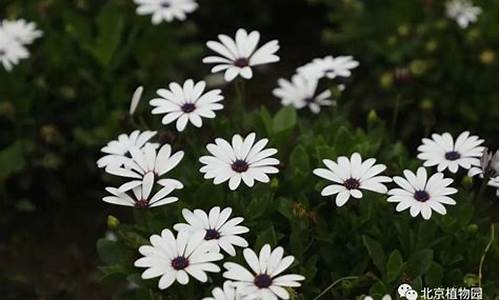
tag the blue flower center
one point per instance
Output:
(239, 166)
(452, 155)
(262, 281)
(180, 263)
(421, 196)
(212, 234)
(241, 62)
(351, 184)
(188, 107)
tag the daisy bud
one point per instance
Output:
(275, 183)
(113, 222)
(472, 228)
(467, 182)
(372, 117)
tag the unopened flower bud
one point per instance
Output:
(113, 222)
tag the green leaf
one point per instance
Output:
(267, 236)
(434, 275)
(394, 265)
(285, 119)
(112, 252)
(299, 160)
(267, 120)
(11, 159)
(376, 252)
(110, 23)
(420, 262)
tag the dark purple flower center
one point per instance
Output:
(262, 281)
(165, 4)
(452, 155)
(309, 100)
(128, 154)
(180, 263)
(188, 107)
(351, 184)
(241, 62)
(143, 203)
(239, 166)
(212, 234)
(2, 52)
(421, 196)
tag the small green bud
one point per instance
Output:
(392, 40)
(386, 80)
(113, 222)
(275, 183)
(403, 30)
(426, 104)
(467, 182)
(472, 228)
(372, 117)
(471, 280)
(487, 57)
(418, 67)
(431, 46)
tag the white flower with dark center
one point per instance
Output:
(186, 103)
(147, 161)
(350, 176)
(141, 194)
(227, 292)
(21, 31)
(172, 258)
(239, 55)
(463, 12)
(136, 98)
(11, 51)
(264, 281)
(422, 195)
(217, 226)
(301, 92)
(494, 183)
(241, 160)
(165, 10)
(442, 151)
(329, 66)
(118, 151)
(488, 164)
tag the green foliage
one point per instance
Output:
(60, 106)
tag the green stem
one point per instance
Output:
(483, 257)
(395, 114)
(240, 95)
(480, 193)
(334, 284)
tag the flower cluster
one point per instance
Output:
(301, 92)
(196, 248)
(463, 12)
(15, 35)
(418, 192)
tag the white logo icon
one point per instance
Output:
(405, 291)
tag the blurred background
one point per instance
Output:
(60, 106)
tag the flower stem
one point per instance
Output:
(240, 94)
(480, 193)
(395, 114)
(483, 257)
(334, 284)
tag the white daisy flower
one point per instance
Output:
(177, 258)
(329, 66)
(117, 151)
(165, 10)
(227, 292)
(350, 176)
(463, 12)
(489, 166)
(21, 31)
(217, 226)
(264, 280)
(11, 51)
(239, 55)
(145, 161)
(186, 103)
(136, 98)
(301, 92)
(241, 160)
(494, 183)
(385, 297)
(421, 194)
(141, 194)
(442, 151)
